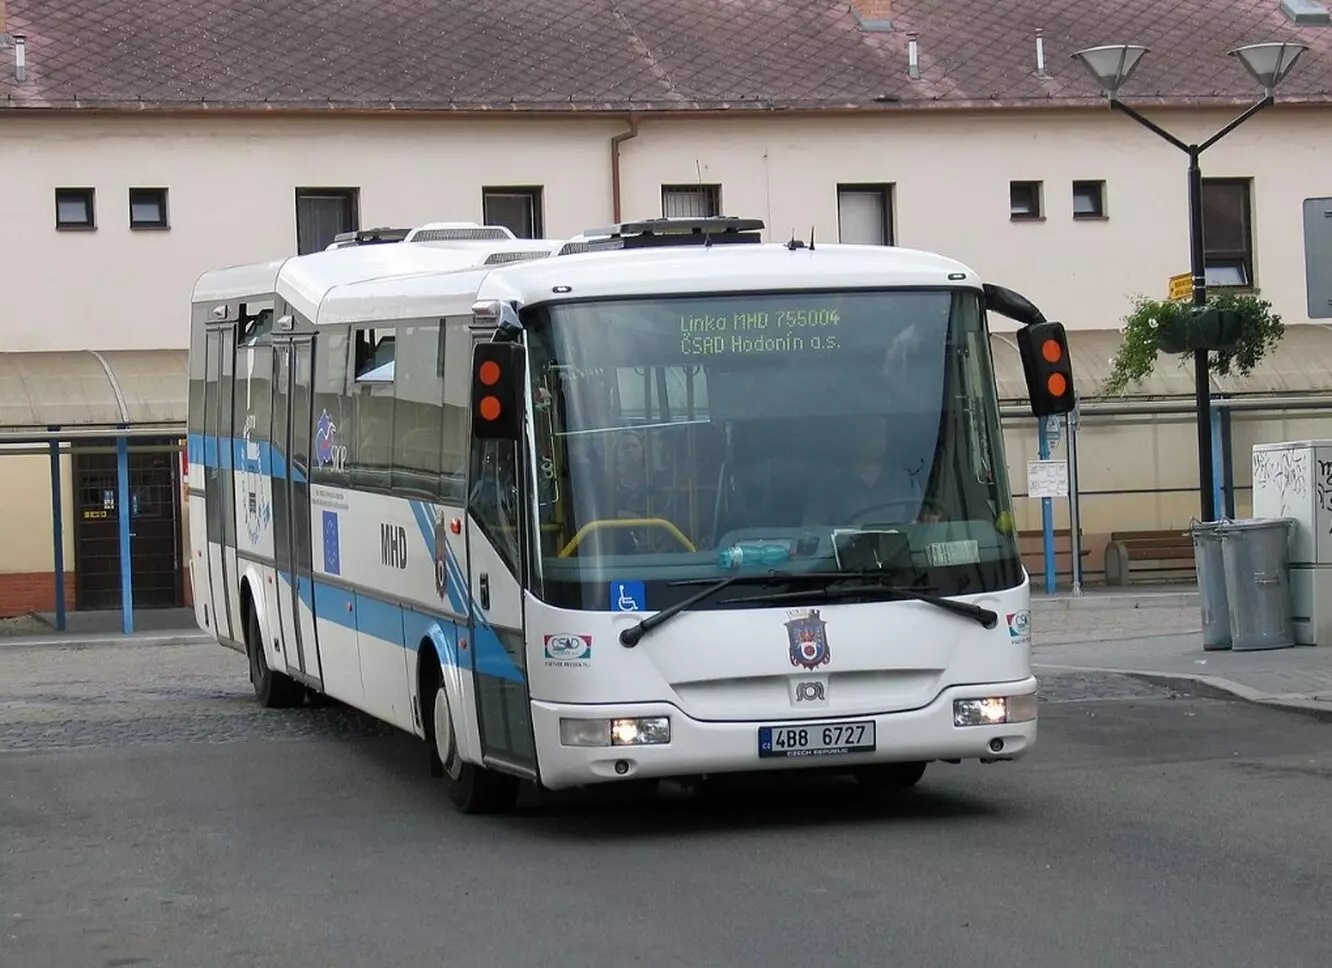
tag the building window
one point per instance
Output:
(865, 214)
(321, 213)
(1024, 199)
(1089, 199)
(1227, 231)
(517, 209)
(148, 208)
(74, 208)
(690, 201)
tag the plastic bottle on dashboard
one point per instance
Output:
(750, 553)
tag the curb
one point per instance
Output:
(1068, 603)
(1212, 687)
(92, 640)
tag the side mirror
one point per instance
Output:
(1014, 305)
(497, 391)
(1049, 372)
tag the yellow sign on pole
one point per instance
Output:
(1181, 286)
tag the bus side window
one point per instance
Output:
(418, 411)
(374, 362)
(331, 450)
(493, 498)
(455, 368)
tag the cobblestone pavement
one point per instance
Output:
(131, 694)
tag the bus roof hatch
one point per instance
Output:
(711, 230)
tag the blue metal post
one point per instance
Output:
(123, 511)
(1228, 462)
(1047, 512)
(1218, 475)
(58, 536)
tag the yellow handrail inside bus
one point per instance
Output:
(591, 526)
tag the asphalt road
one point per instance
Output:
(151, 815)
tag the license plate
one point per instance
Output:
(819, 739)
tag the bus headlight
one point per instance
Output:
(994, 711)
(646, 731)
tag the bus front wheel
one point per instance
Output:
(274, 690)
(472, 788)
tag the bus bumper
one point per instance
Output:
(697, 747)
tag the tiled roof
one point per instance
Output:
(622, 55)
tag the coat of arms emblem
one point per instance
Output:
(807, 635)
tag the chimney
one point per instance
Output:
(1302, 13)
(872, 14)
(1040, 53)
(913, 56)
(20, 58)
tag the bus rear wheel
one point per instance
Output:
(273, 689)
(472, 788)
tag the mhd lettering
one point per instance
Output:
(393, 545)
(708, 323)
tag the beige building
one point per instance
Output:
(133, 163)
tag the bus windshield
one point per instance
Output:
(685, 438)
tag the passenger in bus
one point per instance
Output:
(869, 487)
(633, 495)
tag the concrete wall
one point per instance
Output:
(232, 183)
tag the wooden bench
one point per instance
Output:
(1163, 555)
(1031, 547)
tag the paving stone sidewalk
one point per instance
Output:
(1158, 637)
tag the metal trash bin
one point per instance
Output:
(1256, 553)
(1210, 564)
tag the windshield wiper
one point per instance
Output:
(830, 592)
(631, 636)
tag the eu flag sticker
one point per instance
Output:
(332, 561)
(627, 596)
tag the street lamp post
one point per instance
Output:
(1111, 66)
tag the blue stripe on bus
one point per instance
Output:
(330, 601)
(492, 658)
(379, 619)
(407, 627)
(272, 462)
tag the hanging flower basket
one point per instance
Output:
(1237, 330)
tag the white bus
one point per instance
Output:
(687, 505)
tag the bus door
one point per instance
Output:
(218, 482)
(293, 365)
(496, 538)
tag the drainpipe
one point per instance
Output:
(615, 142)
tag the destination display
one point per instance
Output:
(895, 331)
(780, 331)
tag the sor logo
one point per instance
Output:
(328, 452)
(810, 690)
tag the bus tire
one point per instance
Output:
(472, 788)
(274, 690)
(890, 776)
